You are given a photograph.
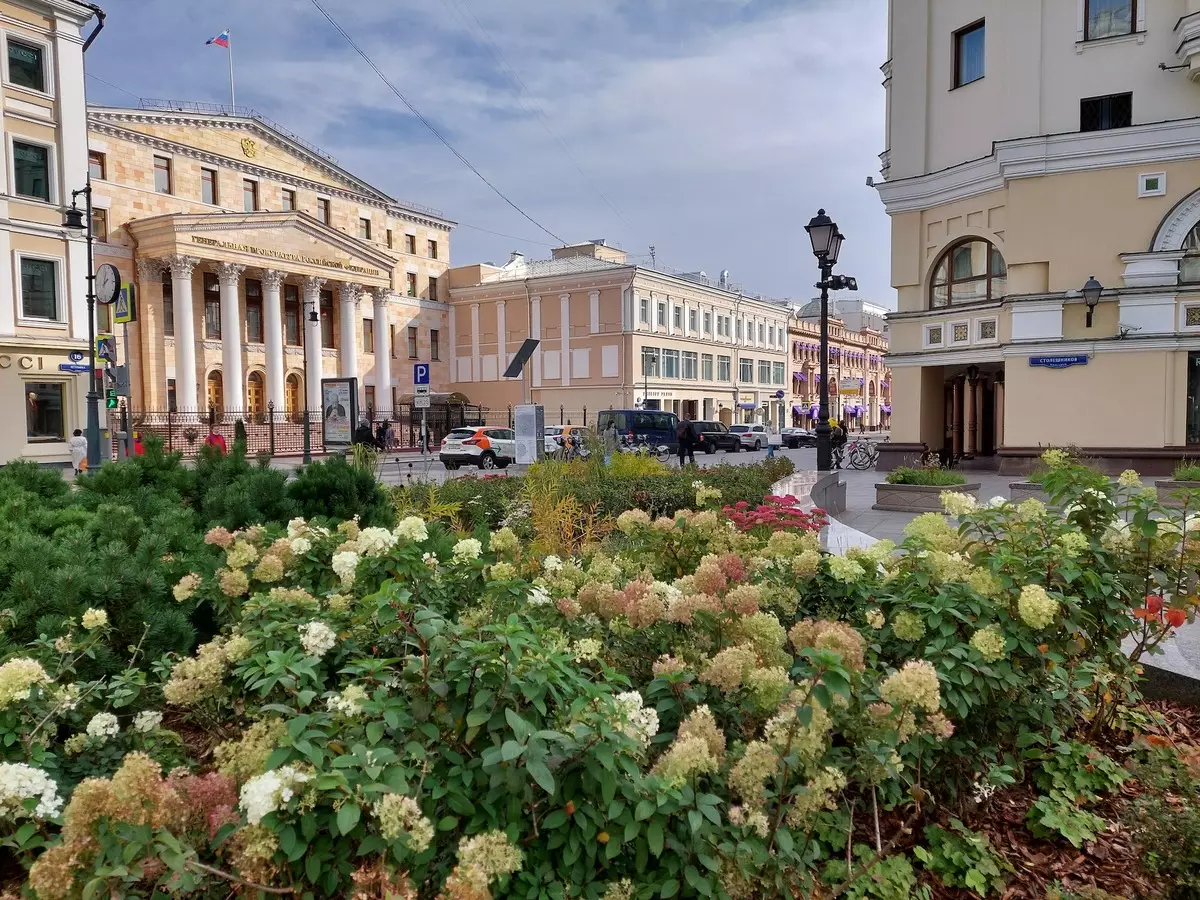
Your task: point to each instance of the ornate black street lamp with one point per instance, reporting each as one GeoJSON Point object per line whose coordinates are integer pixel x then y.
{"type": "Point", "coordinates": [79, 222]}
{"type": "Point", "coordinates": [1091, 296]}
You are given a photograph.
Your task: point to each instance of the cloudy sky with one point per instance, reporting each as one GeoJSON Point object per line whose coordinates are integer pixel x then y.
{"type": "Point", "coordinates": [710, 129]}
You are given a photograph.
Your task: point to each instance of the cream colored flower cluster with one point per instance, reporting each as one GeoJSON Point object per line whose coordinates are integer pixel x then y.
{"type": "Point", "coordinates": [348, 703]}
{"type": "Point", "coordinates": [633, 717]}
{"type": "Point", "coordinates": [186, 587]}
{"type": "Point", "coordinates": [317, 638]}
{"type": "Point", "coordinates": [20, 782]}
{"type": "Point", "coordinates": [990, 643]}
{"type": "Point", "coordinates": [400, 819]}
{"type": "Point", "coordinates": [269, 792]}
{"type": "Point", "coordinates": [915, 685]}
{"type": "Point", "coordinates": [481, 859]}
{"type": "Point", "coordinates": [18, 677]}
{"type": "Point", "coordinates": [1036, 607]}
{"type": "Point", "coordinates": [958, 504]}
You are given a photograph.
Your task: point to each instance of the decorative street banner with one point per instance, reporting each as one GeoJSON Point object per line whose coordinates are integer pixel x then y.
{"type": "Point", "coordinates": [1059, 362]}
{"type": "Point", "coordinates": [339, 403]}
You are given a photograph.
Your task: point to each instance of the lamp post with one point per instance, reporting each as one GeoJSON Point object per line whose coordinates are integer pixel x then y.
{"type": "Point", "coordinates": [1091, 296]}
{"type": "Point", "coordinates": [826, 245]}
{"type": "Point", "coordinates": [75, 222]}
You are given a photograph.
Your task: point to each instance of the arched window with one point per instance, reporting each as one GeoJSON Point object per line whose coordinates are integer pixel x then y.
{"type": "Point", "coordinates": [255, 392]}
{"type": "Point", "coordinates": [971, 271]}
{"type": "Point", "coordinates": [216, 394]}
{"type": "Point", "coordinates": [1189, 268]}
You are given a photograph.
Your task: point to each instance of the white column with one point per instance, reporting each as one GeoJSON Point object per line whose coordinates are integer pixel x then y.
{"type": "Point", "coordinates": [272, 281]}
{"type": "Point", "coordinates": [383, 353]}
{"type": "Point", "coordinates": [501, 349]}
{"type": "Point", "coordinates": [535, 332]}
{"type": "Point", "coordinates": [476, 370]}
{"type": "Point", "coordinates": [348, 351]}
{"type": "Point", "coordinates": [564, 319]}
{"type": "Point", "coordinates": [232, 383]}
{"type": "Point", "coordinates": [312, 343]}
{"type": "Point", "coordinates": [186, 396]}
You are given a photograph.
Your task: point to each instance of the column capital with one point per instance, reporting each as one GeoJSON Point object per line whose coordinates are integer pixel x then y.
{"type": "Point", "coordinates": [312, 284]}
{"type": "Point", "coordinates": [272, 279]}
{"type": "Point", "coordinates": [228, 273]}
{"type": "Point", "coordinates": [379, 298]}
{"type": "Point", "coordinates": [349, 293]}
{"type": "Point", "coordinates": [182, 266]}
{"type": "Point", "coordinates": [150, 269]}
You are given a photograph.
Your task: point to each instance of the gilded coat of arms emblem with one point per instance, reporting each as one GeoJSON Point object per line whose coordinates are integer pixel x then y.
{"type": "Point", "coordinates": [250, 147]}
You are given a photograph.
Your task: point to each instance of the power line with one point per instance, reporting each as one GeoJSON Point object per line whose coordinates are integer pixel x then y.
{"type": "Point", "coordinates": [424, 121]}
{"type": "Point", "coordinates": [114, 86]}
{"type": "Point", "coordinates": [502, 234]}
{"type": "Point", "coordinates": [533, 106]}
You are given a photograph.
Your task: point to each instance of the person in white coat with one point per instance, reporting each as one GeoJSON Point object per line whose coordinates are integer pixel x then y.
{"type": "Point", "coordinates": [78, 447]}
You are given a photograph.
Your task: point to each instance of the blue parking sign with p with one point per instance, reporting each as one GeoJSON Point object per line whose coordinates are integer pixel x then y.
{"type": "Point", "coordinates": [421, 373]}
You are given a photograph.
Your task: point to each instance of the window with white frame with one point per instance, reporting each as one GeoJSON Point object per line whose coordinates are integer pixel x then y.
{"type": "Point", "coordinates": [1109, 18]}
{"type": "Point", "coordinates": [27, 64]}
{"type": "Point", "coordinates": [31, 170]}
{"type": "Point", "coordinates": [650, 362]}
{"type": "Point", "coordinates": [662, 315]}
{"type": "Point", "coordinates": [724, 364]}
{"type": "Point", "coordinates": [692, 319]}
{"type": "Point", "coordinates": [677, 317]}
{"type": "Point", "coordinates": [39, 289]}
{"type": "Point", "coordinates": [690, 363]}
{"type": "Point", "coordinates": [706, 367]}
{"type": "Point", "coordinates": [644, 311]}
{"type": "Point", "coordinates": [764, 371]}
{"type": "Point", "coordinates": [708, 323]}
{"type": "Point", "coordinates": [746, 370]}
{"type": "Point", "coordinates": [761, 332]}
{"type": "Point", "coordinates": [670, 363]}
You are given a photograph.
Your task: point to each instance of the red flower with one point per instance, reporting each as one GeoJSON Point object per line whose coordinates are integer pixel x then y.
{"type": "Point", "coordinates": [1154, 603]}
{"type": "Point", "coordinates": [1175, 617]}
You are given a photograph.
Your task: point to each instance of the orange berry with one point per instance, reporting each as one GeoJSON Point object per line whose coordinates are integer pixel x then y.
{"type": "Point", "coordinates": [602, 837]}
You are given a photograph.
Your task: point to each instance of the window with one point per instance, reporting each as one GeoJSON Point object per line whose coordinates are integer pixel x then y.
{"type": "Point", "coordinates": [706, 367]}
{"type": "Point", "coordinates": [326, 303]}
{"type": "Point", "coordinates": [746, 370]}
{"type": "Point", "coordinates": [432, 247]}
{"type": "Point", "coordinates": [435, 352]}
{"type": "Point", "coordinates": [740, 324]}
{"type": "Point", "coordinates": [162, 174]}
{"type": "Point", "coordinates": [100, 224]}
{"type": "Point", "coordinates": [1105, 113]}
{"type": "Point", "coordinates": [969, 54]}
{"type": "Point", "coordinates": [723, 368]}
{"type": "Point", "coordinates": [761, 332]}
{"type": "Point", "coordinates": [323, 210]}
{"type": "Point", "coordinates": [708, 323]}
{"type": "Point", "coordinates": [26, 67]}
{"type": "Point", "coordinates": [692, 319]}
{"type": "Point", "coordinates": [208, 186]}
{"type": "Point", "coordinates": [368, 337]}
{"type": "Point", "coordinates": [212, 306]}
{"type": "Point", "coordinates": [31, 170]}
{"type": "Point", "coordinates": [411, 281]}
{"type": "Point", "coordinates": [172, 400]}
{"type": "Point", "coordinates": [778, 373]}
{"type": "Point", "coordinates": [254, 311]}
{"type": "Point", "coordinates": [650, 362]}
{"type": "Point", "coordinates": [364, 228]}
{"type": "Point", "coordinates": [39, 289]}
{"type": "Point", "coordinates": [389, 238]}
{"type": "Point", "coordinates": [969, 272]}
{"type": "Point", "coordinates": [670, 363]}
{"type": "Point", "coordinates": [168, 293]}
{"type": "Point", "coordinates": [771, 335]}
{"type": "Point", "coordinates": [690, 361]}
{"type": "Point", "coordinates": [662, 315]}
{"type": "Point", "coordinates": [412, 342]}
{"type": "Point", "coordinates": [249, 194]}
{"type": "Point", "coordinates": [293, 333]}
{"type": "Point", "coordinates": [287, 200]}
{"type": "Point", "coordinates": [410, 244]}
{"type": "Point", "coordinates": [97, 165]}
{"type": "Point", "coordinates": [677, 317]}
{"type": "Point", "coordinates": [1108, 18]}
{"type": "Point", "coordinates": [433, 288]}
{"type": "Point", "coordinates": [392, 341]}
{"type": "Point", "coordinates": [764, 371]}
{"type": "Point", "coordinates": [644, 311]}
{"type": "Point", "coordinates": [44, 411]}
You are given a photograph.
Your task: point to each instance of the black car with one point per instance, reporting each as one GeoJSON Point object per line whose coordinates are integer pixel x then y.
{"type": "Point", "coordinates": [716, 437]}
{"type": "Point", "coordinates": [794, 438]}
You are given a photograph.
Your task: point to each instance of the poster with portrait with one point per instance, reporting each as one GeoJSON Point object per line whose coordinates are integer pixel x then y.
{"type": "Point", "coordinates": [339, 408]}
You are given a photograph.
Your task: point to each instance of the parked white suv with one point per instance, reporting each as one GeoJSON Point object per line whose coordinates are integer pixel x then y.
{"type": "Point", "coordinates": [488, 448]}
{"type": "Point", "coordinates": [753, 437]}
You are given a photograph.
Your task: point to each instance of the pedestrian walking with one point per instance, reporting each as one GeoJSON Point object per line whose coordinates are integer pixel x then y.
{"type": "Point", "coordinates": [611, 440]}
{"type": "Point", "coordinates": [686, 436]}
{"type": "Point", "coordinates": [837, 440]}
{"type": "Point", "coordinates": [216, 441]}
{"type": "Point", "coordinates": [78, 447]}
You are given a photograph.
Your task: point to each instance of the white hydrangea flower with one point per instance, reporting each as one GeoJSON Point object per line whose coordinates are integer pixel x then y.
{"type": "Point", "coordinates": [146, 721]}
{"type": "Point", "coordinates": [468, 548]}
{"type": "Point", "coordinates": [997, 502]}
{"type": "Point", "coordinates": [957, 504]}
{"type": "Point", "coordinates": [430, 560]}
{"type": "Point", "coordinates": [18, 783]}
{"type": "Point", "coordinates": [636, 720]}
{"type": "Point", "coordinates": [297, 527]}
{"type": "Point", "coordinates": [412, 528]}
{"type": "Point", "coordinates": [103, 725]}
{"type": "Point", "coordinates": [317, 638]}
{"type": "Point", "coordinates": [93, 618]}
{"type": "Point", "coordinates": [301, 546]}
{"type": "Point", "coordinates": [667, 593]}
{"type": "Point", "coordinates": [375, 541]}
{"type": "Point", "coordinates": [345, 564]}
{"type": "Point", "coordinates": [539, 596]}
{"type": "Point", "coordinates": [266, 793]}
{"type": "Point", "coordinates": [551, 564]}
{"type": "Point", "coordinates": [348, 703]}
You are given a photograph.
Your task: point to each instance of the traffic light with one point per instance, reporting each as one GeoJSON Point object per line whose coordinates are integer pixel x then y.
{"type": "Point", "coordinates": [110, 399]}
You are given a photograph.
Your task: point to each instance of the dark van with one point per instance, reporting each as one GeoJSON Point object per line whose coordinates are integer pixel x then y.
{"type": "Point", "coordinates": [650, 426]}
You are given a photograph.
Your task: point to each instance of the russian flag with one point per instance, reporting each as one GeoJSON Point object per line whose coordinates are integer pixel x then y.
{"type": "Point", "coordinates": [221, 40]}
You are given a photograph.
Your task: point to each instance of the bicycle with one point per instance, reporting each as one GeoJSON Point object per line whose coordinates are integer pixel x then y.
{"type": "Point", "coordinates": [863, 454]}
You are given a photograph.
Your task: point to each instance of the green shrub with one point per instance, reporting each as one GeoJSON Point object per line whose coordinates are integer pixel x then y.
{"type": "Point", "coordinates": [335, 489]}
{"type": "Point", "coordinates": [1079, 770]}
{"type": "Point", "coordinates": [24, 475]}
{"type": "Point", "coordinates": [962, 858]}
{"type": "Point", "coordinates": [925, 476]}
{"type": "Point", "coordinates": [891, 879]}
{"type": "Point", "coordinates": [1187, 471]}
{"type": "Point", "coordinates": [1056, 813]}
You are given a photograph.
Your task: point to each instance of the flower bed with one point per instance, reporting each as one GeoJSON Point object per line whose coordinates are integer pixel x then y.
{"type": "Point", "coordinates": [694, 705]}
{"type": "Point", "coordinates": [1183, 490]}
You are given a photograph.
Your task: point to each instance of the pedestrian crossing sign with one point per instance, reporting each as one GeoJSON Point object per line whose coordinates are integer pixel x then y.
{"type": "Point", "coordinates": [124, 310]}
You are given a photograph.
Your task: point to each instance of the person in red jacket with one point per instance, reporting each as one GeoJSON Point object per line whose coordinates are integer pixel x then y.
{"type": "Point", "coordinates": [138, 449]}
{"type": "Point", "coordinates": [215, 440]}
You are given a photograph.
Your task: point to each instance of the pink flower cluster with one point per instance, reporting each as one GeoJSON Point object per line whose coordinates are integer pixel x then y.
{"type": "Point", "coordinates": [775, 514]}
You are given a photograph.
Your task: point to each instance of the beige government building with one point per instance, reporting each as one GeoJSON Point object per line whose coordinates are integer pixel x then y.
{"type": "Point", "coordinates": [1030, 147]}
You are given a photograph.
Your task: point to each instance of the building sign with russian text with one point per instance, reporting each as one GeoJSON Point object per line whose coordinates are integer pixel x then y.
{"type": "Point", "coordinates": [1059, 362]}
{"type": "Point", "coordinates": [287, 257]}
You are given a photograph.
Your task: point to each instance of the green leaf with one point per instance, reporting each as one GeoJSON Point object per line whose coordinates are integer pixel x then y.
{"type": "Point", "coordinates": [520, 727]}
{"type": "Point", "coordinates": [348, 817]}
{"type": "Point", "coordinates": [556, 819]}
{"type": "Point", "coordinates": [447, 823]}
{"type": "Point", "coordinates": [695, 820]}
{"type": "Point", "coordinates": [669, 889]}
{"type": "Point", "coordinates": [511, 750]}
{"type": "Point", "coordinates": [477, 717]}
{"type": "Point", "coordinates": [654, 838]}
{"type": "Point", "coordinates": [541, 774]}
{"type": "Point", "coordinates": [644, 810]}
{"type": "Point", "coordinates": [375, 732]}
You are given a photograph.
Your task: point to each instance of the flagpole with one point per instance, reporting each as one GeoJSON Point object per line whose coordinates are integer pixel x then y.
{"type": "Point", "coordinates": [232, 94]}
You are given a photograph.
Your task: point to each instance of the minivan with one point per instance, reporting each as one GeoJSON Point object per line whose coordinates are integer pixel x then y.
{"type": "Point", "coordinates": [651, 426]}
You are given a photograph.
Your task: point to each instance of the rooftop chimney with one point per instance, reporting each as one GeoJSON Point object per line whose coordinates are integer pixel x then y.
{"type": "Point", "coordinates": [515, 257]}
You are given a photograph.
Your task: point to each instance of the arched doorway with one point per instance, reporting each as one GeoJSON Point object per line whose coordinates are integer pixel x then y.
{"type": "Point", "coordinates": [255, 394]}
{"type": "Point", "coordinates": [216, 391]}
{"type": "Point", "coordinates": [292, 393]}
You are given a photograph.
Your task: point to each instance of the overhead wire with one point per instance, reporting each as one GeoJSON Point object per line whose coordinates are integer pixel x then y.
{"type": "Point", "coordinates": [429, 125]}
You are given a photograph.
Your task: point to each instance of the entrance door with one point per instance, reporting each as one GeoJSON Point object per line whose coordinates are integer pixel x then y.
{"type": "Point", "coordinates": [255, 393]}
{"type": "Point", "coordinates": [216, 393]}
{"type": "Point", "coordinates": [292, 394]}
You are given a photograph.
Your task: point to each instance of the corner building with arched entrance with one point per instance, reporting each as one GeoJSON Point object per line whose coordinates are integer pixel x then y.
{"type": "Point", "coordinates": [1030, 148]}
{"type": "Point", "coordinates": [261, 265]}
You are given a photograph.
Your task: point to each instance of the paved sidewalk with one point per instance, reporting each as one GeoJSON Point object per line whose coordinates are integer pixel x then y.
{"type": "Point", "coordinates": [860, 496]}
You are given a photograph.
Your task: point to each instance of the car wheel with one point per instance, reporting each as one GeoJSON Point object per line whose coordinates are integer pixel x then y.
{"type": "Point", "coordinates": [757, 445]}
{"type": "Point", "coordinates": [488, 460]}
{"type": "Point", "coordinates": [451, 467]}
{"type": "Point", "coordinates": [710, 449]}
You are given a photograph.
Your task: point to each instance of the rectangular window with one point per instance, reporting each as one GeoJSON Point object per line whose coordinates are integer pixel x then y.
{"type": "Point", "coordinates": [293, 333]}
{"type": "Point", "coordinates": [690, 361]}
{"type": "Point", "coordinates": [650, 362]}
{"type": "Point", "coordinates": [392, 341]}
{"type": "Point", "coordinates": [746, 370]}
{"type": "Point", "coordinates": [968, 54]}
{"type": "Point", "coordinates": [435, 344]}
{"type": "Point", "coordinates": [162, 174]}
{"type": "Point", "coordinates": [369, 391]}
{"type": "Point", "coordinates": [723, 368]}
{"type": "Point", "coordinates": [670, 363]}
{"type": "Point", "coordinates": [389, 238]}
{"type": "Point", "coordinates": [706, 367]}
{"type": "Point", "coordinates": [364, 228]}
{"type": "Point", "coordinates": [1109, 18]}
{"type": "Point", "coordinates": [662, 315]}
{"type": "Point", "coordinates": [412, 341]}
{"type": "Point", "coordinates": [411, 281]}
{"type": "Point", "coordinates": [433, 288]}
{"type": "Point", "coordinates": [327, 338]}
{"type": "Point", "coordinates": [323, 212]}
{"type": "Point", "coordinates": [778, 371]}
{"type": "Point", "coordinates": [764, 371]}
{"type": "Point", "coordinates": [740, 323]}
{"type": "Point", "coordinates": [761, 332]}
{"type": "Point", "coordinates": [644, 311]}
{"type": "Point", "coordinates": [212, 306]}
{"type": "Point", "coordinates": [31, 170]}
{"type": "Point", "coordinates": [287, 200]}
{"type": "Point", "coordinates": [249, 194]}
{"type": "Point", "coordinates": [26, 66]}
{"type": "Point", "coordinates": [97, 165]}
{"type": "Point", "coordinates": [100, 224]}
{"type": "Point", "coordinates": [432, 250]}
{"type": "Point", "coordinates": [410, 244]}
{"type": "Point", "coordinates": [208, 186]}
{"type": "Point", "coordinates": [39, 289]}
{"type": "Point", "coordinates": [254, 311]}
{"type": "Point", "coordinates": [172, 401]}
{"type": "Point", "coordinates": [708, 323]}
{"type": "Point", "coordinates": [692, 319]}
{"type": "Point", "coordinates": [1104, 113]}
{"type": "Point", "coordinates": [44, 411]}
{"type": "Point", "coordinates": [168, 293]}
{"type": "Point", "coordinates": [368, 335]}
{"type": "Point", "coordinates": [677, 317]}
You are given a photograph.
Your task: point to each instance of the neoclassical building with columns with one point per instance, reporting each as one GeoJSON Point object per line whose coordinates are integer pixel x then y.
{"type": "Point", "coordinates": [261, 265]}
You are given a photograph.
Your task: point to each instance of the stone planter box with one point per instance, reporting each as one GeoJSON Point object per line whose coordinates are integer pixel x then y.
{"type": "Point", "coordinates": [1169, 493]}
{"type": "Point", "coordinates": [1027, 490]}
{"type": "Point", "coordinates": [917, 498]}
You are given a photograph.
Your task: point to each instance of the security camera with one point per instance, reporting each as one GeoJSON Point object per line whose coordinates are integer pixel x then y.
{"type": "Point", "coordinates": [870, 181]}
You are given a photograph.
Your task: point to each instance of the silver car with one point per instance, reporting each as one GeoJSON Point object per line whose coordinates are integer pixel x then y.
{"type": "Point", "coordinates": [753, 437]}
